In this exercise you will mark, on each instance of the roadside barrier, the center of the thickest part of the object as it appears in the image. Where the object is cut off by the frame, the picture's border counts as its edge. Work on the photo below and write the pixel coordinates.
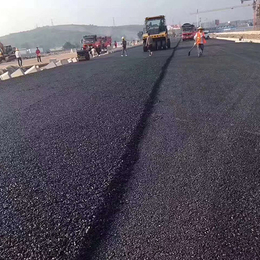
(17, 73)
(5, 76)
(51, 65)
(14, 72)
(33, 69)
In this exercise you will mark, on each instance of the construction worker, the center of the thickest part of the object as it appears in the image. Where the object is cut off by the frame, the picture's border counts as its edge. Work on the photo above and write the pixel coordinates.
(149, 44)
(38, 54)
(124, 52)
(18, 57)
(86, 51)
(200, 41)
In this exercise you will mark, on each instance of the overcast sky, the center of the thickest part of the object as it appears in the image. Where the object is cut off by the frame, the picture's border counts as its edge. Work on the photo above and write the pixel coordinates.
(17, 15)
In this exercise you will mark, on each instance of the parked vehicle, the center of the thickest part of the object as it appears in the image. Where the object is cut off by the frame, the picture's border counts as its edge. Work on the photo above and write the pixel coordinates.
(206, 34)
(188, 31)
(83, 54)
(7, 53)
(99, 43)
(91, 41)
(105, 42)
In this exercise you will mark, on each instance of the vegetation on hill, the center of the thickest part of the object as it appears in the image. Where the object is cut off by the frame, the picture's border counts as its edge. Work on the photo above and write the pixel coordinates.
(56, 36)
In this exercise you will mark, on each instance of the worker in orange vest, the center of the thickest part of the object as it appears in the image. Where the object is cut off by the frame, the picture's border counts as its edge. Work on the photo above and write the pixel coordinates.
(200, 41)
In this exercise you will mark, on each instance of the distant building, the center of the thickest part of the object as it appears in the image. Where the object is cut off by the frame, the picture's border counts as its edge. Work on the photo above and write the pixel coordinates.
(33, 50)
(208, 24)
(56, 49)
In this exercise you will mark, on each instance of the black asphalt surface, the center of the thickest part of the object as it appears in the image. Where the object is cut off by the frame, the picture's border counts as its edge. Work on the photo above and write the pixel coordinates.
(195, 189)
(68, 139)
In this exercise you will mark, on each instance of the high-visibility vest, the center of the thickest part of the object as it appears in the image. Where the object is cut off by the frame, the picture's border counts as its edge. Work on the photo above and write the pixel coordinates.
(199, 36)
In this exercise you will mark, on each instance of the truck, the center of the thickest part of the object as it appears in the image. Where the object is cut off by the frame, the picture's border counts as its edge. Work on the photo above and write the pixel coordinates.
(157, 28)
(7, 53)
(99, 43)
(104, 41)
(188, 31)
(91, 41)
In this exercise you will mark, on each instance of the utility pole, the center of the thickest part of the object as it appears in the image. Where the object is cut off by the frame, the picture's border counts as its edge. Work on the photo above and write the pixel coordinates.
(51, 22)
(114, 23)
(197, 18)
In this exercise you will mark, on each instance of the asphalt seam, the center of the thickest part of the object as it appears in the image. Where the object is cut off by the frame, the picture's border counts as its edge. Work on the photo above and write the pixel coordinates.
(117, 186)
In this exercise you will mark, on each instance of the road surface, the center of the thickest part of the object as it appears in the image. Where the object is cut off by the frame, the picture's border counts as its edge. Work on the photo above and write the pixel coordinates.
(195, 189)
(134, 157)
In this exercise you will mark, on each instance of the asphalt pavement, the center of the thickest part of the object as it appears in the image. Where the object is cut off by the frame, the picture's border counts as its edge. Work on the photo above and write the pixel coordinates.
(68, 139)
(194, 192)
(134, 157)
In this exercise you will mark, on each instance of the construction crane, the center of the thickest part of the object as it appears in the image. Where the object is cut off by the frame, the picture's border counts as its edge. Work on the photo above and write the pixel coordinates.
(255, 5)
(256, 8)
(221, 9)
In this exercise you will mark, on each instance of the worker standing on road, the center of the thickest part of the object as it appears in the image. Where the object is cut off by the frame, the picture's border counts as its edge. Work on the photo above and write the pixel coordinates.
(200, 41)
(149, 44)
(124, 52)
(38, 54)
(18, 57)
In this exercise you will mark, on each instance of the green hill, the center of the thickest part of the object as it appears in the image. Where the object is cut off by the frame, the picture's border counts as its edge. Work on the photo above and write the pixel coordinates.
(55, 36)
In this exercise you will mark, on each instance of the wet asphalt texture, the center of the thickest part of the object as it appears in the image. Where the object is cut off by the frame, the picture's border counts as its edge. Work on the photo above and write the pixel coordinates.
(134, 157)
(195, 190)
(66, 134)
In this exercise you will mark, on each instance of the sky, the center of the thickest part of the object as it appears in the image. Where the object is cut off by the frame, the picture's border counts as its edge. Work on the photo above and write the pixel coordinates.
(25, 15)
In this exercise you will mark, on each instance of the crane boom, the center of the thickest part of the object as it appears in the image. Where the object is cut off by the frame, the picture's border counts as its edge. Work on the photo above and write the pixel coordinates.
(222, 9)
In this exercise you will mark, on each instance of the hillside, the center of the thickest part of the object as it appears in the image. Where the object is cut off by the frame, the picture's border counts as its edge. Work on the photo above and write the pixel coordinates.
(55, 36)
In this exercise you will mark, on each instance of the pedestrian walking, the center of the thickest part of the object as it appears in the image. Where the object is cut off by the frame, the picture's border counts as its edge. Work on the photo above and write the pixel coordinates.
(38, 54)
(200, 40)
(124, 52)
(115, 44)
(18, 57)
(149, 44)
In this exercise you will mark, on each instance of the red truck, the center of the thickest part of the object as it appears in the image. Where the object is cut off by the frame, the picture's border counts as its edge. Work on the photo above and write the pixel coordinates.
(188, 31)
(99, 43)
(91, 41)
(105, 41)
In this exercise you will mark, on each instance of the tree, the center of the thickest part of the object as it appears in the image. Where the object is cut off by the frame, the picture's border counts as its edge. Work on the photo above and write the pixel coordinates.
(68, 46)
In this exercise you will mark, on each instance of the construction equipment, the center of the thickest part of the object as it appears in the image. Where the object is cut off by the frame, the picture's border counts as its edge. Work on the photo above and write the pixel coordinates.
(157, 28)
(255, 5)
(256, 8)
(92, 41)
(100, 43)
(188, 31)
(105, 42)
(222, 9)
(7, 53)
(83, 54)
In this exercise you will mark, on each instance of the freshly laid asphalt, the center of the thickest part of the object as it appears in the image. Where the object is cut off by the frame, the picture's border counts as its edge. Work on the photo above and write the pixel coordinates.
(67, 135)
(134, 157)
(195, 190)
